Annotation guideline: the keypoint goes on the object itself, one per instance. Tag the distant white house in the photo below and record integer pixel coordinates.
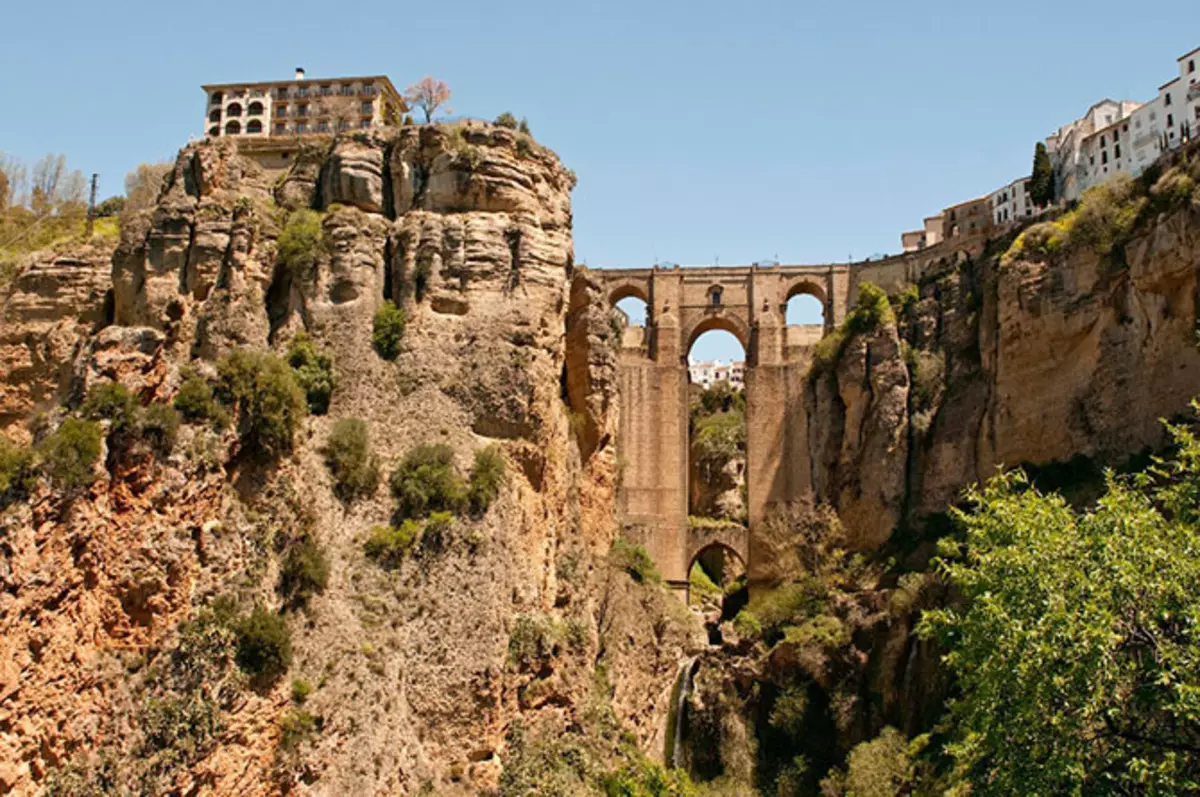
(708, 373)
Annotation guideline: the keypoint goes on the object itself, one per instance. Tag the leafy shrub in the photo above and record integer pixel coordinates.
(354, 469)
(535, 637)
(487, 474)
(300, 241)
(644, 778)
(113, 402)
(313, 368)
(264, 645)
(18, 472)
(1175, 189)
(435, 536)
(69, 454)
(634, 560)
(871, 310)
(425, 481)
(880, 767)
(196, 401)
(301, 689)
(388, 329)
(523, 127)
(269, 402)
(160, 423)
(389, 545)
(506, 119)
(183, 726)
(296, 726)
(304, 571)
(717, 439)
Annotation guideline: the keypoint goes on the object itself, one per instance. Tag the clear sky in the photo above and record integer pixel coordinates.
(701, 131)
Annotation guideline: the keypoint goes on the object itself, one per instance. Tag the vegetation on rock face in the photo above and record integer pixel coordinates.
(506, 119)
(304, 571)
(300, 241)
(1109, 214)
(113, 402)
(297, 726)
(388, 330)
(536, 637)
(871, 310)
(425, 481)
(354, 469)
(269, 403)
(487, 476)
(69, 454)
(313, 368)
(196, 401)
(634, 560)
(159, 425)
(390, 545)
(264, 645)
(1075, 649)
(718, 439)
(18, 472)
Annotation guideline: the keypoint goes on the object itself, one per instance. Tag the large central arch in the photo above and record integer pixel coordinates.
(682, 304)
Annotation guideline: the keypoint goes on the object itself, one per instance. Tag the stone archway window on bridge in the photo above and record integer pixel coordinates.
(714, 296)
(634, 309)
(805, 308)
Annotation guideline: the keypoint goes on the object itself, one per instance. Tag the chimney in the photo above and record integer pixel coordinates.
(299, 73)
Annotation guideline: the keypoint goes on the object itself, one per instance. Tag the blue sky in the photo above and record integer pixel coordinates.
(701, 131)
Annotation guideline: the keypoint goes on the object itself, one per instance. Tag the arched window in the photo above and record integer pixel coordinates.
(233, 128)
(255, 109)
(217, 97)
(714, 295)
(214, 131)
(215, 116)
(254, 126)
(234, 109)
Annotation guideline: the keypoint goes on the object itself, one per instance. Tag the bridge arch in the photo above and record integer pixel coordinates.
(725, 321)
(728, 542)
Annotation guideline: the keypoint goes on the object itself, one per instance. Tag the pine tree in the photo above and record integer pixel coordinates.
(1041, 186)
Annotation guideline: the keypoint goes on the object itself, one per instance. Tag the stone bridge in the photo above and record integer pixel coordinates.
(681, 304)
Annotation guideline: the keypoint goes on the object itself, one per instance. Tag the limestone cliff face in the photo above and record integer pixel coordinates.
(469, 230)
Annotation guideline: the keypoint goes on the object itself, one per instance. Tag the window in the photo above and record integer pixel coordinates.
(1197, 109)
(215, 115)
(368, 88)
(254, 109)
(322, 126)
(279, 110)
(714, 295)
(254, 126)
(326, 91)
(233, 128)
(302, 91)
(214, 131)
(346, 90)
(1103, 143)
(1116, 150)
(1191, 66)
(1108, 118)
(1170, 120)
(217, 97)
(1167, 101)
(1104, 156)
(280, 128)
(281, 94)
(367, 108)
(301, 127)
(301, 110)
(364, 124)
(234, 109)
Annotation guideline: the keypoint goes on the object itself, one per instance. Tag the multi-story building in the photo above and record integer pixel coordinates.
(707, 374)
(932, 232)
(1012, 203)
(1074, 148)
(301, 106)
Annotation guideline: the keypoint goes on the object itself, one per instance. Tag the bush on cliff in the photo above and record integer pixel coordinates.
(304, 571)
(113, 402)
(717, 439)
(487, 475)
(1075, 646)
(313, 368)
(348, 456)
(425, 481)
(268, 401)
(871, 311)
(68, 456)
(388, 330)
(196, 401)
(300, 241)
(264, 645)
(634, 560)
(18, 472)
(159, 426)
(389, 545)
(506, 119)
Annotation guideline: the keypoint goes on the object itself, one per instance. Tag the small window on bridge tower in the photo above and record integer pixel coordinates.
(714, 295)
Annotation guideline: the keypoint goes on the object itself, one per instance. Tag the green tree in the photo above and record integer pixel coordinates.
(388, 330)
(300, 241)
(1041, 181)
(264, 645)
(69, 454)
(18, 473)
(313, 368)
(487, 474)
(506, 119)
(1077, 643)
(354, 468)
(269, 402)
(425, 481)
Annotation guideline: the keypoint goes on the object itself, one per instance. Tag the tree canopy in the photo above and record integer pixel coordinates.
(1077, 642)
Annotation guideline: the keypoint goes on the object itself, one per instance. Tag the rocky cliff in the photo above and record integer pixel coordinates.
(421, 677)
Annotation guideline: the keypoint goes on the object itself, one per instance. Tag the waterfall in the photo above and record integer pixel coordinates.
(673, 755)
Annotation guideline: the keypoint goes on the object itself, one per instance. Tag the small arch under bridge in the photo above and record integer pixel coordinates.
(681, 304)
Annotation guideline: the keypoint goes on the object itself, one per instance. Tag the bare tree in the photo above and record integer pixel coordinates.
(342, 112)
(143, 185)
(428, 95)
(53, 187)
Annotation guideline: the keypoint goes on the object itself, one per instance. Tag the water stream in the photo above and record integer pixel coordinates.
(673, 754)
